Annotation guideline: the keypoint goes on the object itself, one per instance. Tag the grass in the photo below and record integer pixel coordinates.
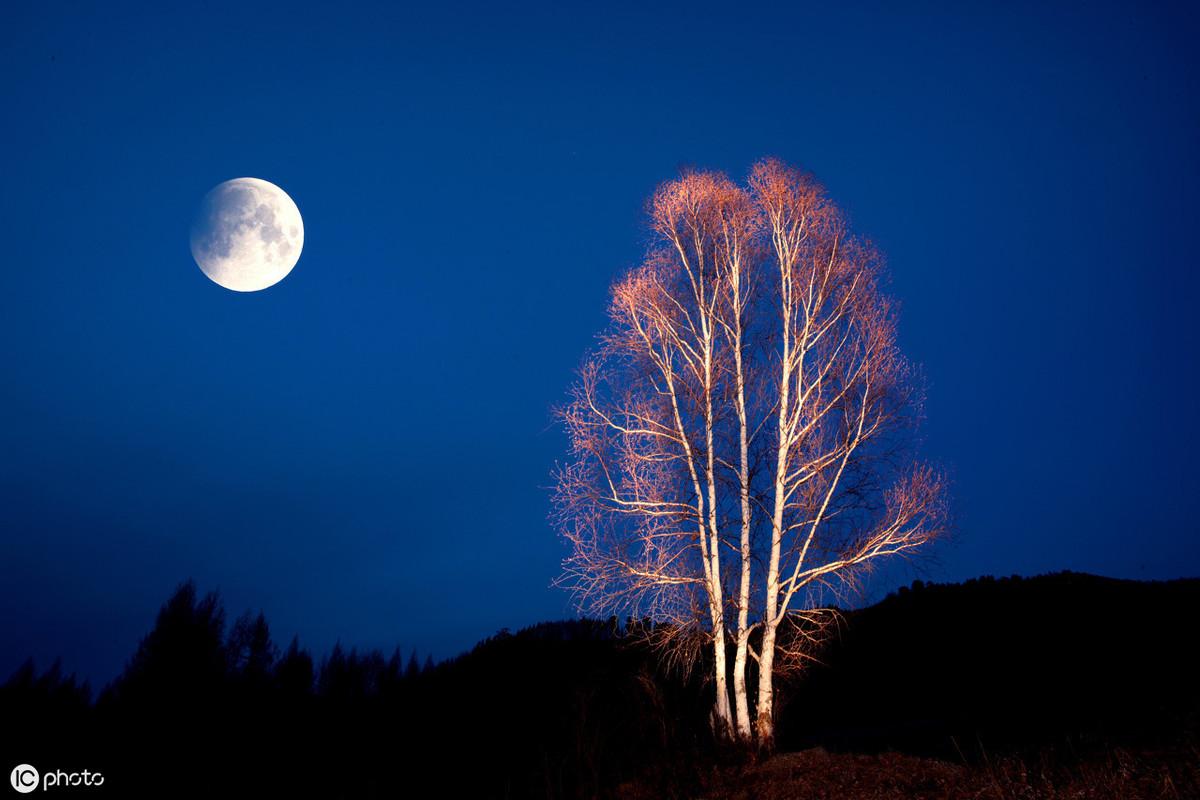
(816, 774)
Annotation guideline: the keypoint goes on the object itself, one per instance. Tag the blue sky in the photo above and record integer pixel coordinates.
(361, 451)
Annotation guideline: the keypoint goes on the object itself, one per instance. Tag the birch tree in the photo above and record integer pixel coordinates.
(739, 440)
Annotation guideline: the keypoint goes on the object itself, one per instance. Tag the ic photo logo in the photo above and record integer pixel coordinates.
(24, 778)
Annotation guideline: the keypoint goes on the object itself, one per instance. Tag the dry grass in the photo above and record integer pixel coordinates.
(820, 775)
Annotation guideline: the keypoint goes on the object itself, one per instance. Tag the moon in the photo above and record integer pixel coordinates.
(247, 235)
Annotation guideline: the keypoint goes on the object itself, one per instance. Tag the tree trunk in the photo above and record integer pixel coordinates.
(724, 718)
(764, 718)
(741, 700)
(764, 722)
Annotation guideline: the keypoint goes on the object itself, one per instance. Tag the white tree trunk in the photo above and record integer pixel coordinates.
(764, 721)
(740, 698)
(724, 718)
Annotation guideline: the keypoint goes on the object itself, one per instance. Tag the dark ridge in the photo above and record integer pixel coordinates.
(580, 708)
(1010, 663)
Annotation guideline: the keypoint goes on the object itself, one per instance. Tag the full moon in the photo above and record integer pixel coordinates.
(247, 235)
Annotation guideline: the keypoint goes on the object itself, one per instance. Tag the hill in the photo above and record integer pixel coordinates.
(1011, 663)
(1069, 667)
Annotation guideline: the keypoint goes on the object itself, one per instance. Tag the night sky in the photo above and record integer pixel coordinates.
(363, 450)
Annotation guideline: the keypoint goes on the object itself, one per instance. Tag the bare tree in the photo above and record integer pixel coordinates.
(748, 404)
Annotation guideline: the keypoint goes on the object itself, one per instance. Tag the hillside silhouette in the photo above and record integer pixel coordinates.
(1067, 663)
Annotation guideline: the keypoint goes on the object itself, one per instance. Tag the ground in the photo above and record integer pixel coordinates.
(820, 775)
